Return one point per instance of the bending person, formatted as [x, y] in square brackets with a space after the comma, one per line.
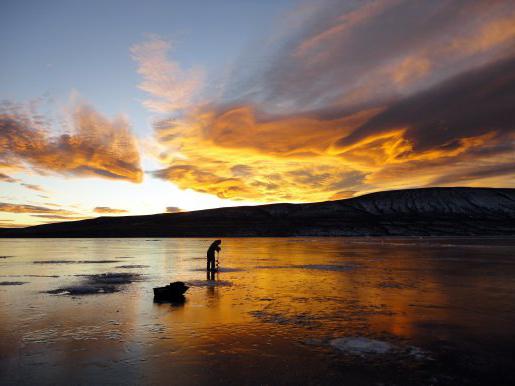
[214, 247]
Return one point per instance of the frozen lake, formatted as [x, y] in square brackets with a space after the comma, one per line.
[356, 311]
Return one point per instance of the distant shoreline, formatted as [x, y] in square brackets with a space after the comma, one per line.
[426, 212]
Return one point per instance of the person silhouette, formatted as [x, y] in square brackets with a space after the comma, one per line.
[214, 247]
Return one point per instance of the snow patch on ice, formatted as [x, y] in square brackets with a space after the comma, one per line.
[84, 290]
[362, 345]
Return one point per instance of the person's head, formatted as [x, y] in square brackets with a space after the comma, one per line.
[217, 242]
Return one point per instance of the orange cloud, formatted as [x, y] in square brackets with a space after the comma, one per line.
[25, 208]
[105, 209]
[426, 139]
[240, 155]
[11, 224]
[96, 146]
[60, 217]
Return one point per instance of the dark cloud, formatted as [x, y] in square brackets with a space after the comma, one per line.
[506, 171]
[469, 105]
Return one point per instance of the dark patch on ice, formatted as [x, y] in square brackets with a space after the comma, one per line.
[394, 285]
[229, 269]
[303, 320]
[124, 257]
[104, 283]
[12, 282]
[29, 276]
[220, 269]
[5, 257]
[322, 267]
[113, 278]
[75, 261]
[54, 262]
[84, 290]
[209, 283]
[133, 266]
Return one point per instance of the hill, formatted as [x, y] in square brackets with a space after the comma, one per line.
[411, 212]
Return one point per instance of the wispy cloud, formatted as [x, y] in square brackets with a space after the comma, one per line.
[170, 86]
[9, 223]
[34, 187]
[9, 179]
[60, 217]
[107, 210]
[173, 209]
[25, 208]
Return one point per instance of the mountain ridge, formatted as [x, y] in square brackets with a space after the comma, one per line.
[433, 211]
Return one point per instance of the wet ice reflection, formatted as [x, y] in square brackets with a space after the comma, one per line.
[276, 303]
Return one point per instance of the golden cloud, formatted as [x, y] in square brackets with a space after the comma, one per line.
[60, 217]
[236, 154]
[25, 208]
[240, 154]
[173, 209]
[105, 209]
[96, 146]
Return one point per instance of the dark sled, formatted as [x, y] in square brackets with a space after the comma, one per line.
[174, 292]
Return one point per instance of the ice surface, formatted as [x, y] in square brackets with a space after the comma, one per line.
[343, 299]
[209, 283]
[75, 261]
[321, 267]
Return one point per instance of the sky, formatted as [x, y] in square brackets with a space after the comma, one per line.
[141, 107]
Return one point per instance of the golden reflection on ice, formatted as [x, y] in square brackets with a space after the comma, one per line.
[270, 298]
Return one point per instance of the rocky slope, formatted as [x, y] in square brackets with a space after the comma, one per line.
[411, 212]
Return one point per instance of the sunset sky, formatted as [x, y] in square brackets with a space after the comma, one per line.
[140, 107]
